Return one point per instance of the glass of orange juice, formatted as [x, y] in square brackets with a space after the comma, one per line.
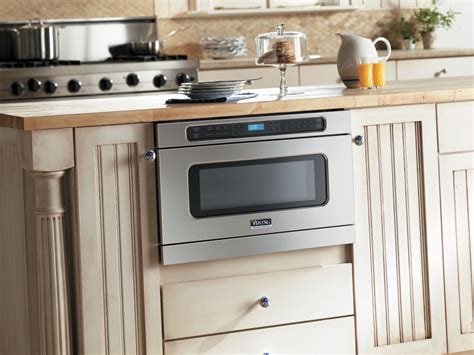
[379, 72]
[366, 78]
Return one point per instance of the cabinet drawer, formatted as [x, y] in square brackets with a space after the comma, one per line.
[334, 336]
[456, 127]
[229, 304]
[270, 76]
[435, 68]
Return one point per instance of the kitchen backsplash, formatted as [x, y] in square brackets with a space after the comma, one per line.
[319, 27]
[12, 10]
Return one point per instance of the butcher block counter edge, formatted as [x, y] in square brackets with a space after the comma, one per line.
[125, 109]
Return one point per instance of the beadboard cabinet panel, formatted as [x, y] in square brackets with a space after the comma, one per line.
[457, 204]
[397, 256]
[118, 267]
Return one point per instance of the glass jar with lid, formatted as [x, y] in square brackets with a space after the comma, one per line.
[281, 49]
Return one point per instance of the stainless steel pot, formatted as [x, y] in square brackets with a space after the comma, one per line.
[36, 41]
[6, 44]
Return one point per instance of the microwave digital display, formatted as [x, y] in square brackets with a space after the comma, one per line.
[256, 127]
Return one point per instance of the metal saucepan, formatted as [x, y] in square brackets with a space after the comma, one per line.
[36, 41]
[142, 48]
[6, 44]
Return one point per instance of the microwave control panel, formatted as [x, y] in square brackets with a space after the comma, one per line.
[255, 129]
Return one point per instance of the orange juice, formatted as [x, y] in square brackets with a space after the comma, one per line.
[366, 80]
[379, 74]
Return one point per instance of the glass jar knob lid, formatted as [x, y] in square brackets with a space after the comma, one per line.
[280, 29]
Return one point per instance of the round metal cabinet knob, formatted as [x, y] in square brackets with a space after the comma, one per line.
[359, 140]
[265, 302]
[150, 156]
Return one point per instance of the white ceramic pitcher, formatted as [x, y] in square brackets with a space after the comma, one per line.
[353, 47]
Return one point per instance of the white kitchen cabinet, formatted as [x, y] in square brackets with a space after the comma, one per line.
[398, 252]
[457, 207]
[334, 336]
[270, 76]
[456, 135]
[117, 269]
[434, 68]
[326, 74]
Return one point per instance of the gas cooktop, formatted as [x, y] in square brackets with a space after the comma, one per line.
[62, 78]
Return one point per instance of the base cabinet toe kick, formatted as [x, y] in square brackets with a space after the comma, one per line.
[316, 232]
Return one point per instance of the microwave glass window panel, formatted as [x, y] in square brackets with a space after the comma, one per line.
[258, 185]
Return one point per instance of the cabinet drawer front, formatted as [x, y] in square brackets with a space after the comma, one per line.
[270, 76]
[229, 304]
[455, 127]
[335, 336]
[326, 74]
[435, 68]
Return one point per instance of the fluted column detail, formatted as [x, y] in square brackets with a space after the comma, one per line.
[53, 301]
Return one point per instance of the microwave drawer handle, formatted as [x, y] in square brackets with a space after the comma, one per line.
[151, 155]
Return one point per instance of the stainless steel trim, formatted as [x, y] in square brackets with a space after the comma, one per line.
[272, 243]
[178, 226]
[173, 134]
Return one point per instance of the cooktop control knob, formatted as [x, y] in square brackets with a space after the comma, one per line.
[105, 84]
[50, 87]
[183, 78]
[159, 80]
[17, 88]
[74, 85]
[132, 79]
[34, 85]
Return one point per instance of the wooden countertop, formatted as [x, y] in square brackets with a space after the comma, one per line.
[215, 64]
[122, 109]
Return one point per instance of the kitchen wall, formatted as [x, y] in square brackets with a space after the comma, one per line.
[320, 28]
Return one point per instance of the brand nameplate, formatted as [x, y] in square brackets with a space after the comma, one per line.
[260, 223]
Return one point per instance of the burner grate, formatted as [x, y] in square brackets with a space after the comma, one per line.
[38, 63]
[146, 58]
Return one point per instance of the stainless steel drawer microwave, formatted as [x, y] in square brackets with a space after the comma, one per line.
[251, 185]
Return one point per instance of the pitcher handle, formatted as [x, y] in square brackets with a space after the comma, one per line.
[387, 43]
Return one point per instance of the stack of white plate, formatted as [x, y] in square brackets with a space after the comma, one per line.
[224, 47]
[212, 89]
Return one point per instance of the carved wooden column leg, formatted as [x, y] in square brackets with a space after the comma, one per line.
[53, 299]
[46, 157]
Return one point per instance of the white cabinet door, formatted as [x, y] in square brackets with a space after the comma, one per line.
[398, 275]
[435, 68]
[270, 76]
[457, 208]
[118, 301]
